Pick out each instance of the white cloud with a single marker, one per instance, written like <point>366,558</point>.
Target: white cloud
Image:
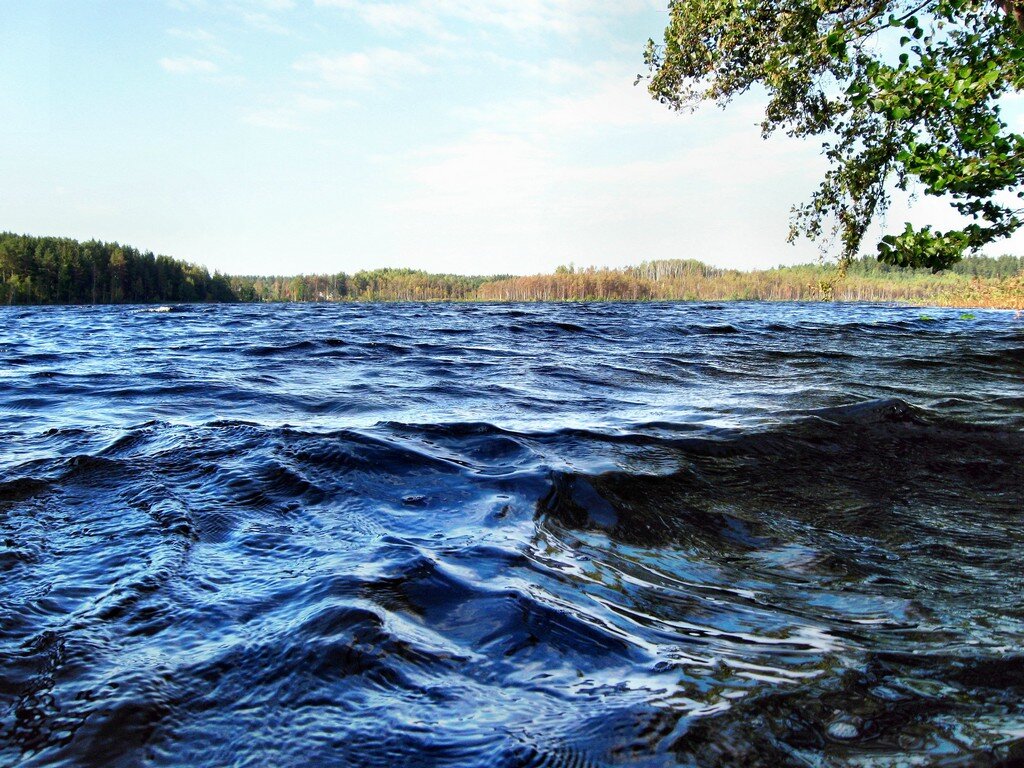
<point>196,35</point>
<point>392,16</point>
<point>236,5</point>
<point>490,171</point>
<point>615,103</point>
<point>186,65</point>
<point>560,16</point>
<point>515,156</point>
<point>265,22</point>
<point>291,116</point>
<point>523,208</point>
<point>566,17</point>
<point>204,40</point>
<point>485,172</point>
<point>360,70</point>
<point>188,5</point>
<point>555,71</point>
<point>259,14</point>
<point>571,177</point>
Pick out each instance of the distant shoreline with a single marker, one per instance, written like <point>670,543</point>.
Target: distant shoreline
<point>62,271</point>
<point>174,306</point>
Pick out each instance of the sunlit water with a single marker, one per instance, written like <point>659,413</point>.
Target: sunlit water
<point>511,535</point>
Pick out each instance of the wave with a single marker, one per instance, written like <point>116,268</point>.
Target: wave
<point>597,545</point>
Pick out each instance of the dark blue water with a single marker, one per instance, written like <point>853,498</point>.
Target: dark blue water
<point>511,536</point>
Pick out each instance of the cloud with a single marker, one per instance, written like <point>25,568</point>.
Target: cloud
<point>196,35</point>
<point>526,206</point>
<point>360,70</point>
<point>204,41</point>
<point>487,171</point>
<point>391,16</point>
<point>259,14</point>
<point>292,116</point>
<point>188,5</point>
<point>265,22</point>
<point>565,17</point>
<point>516,151</point>
<point>236,5</point>
<point>557,72</point>
<point>607,105</point>
<point>601,173</point>
<point>186,65</point>
<point>560,16</point>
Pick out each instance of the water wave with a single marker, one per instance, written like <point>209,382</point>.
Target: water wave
<point>241,551</point>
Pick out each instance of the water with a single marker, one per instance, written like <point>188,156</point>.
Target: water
<point>511,535</point>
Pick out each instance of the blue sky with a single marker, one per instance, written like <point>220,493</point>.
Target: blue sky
<point>472,136</point>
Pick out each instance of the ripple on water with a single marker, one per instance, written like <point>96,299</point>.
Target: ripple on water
<point>630,538</point>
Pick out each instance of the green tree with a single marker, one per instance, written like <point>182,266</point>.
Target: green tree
<point>118,273</point>
<point>901,92</point>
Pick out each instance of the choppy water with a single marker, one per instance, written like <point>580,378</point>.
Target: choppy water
<point>511,536</point>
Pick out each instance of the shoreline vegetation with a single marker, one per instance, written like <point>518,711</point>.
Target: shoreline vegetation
<point>52,270</point>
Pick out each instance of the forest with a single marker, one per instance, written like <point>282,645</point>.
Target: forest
<point>59,270</point>
<point>50,270</point>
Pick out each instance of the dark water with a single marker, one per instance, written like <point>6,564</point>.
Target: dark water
<point>511,536</point>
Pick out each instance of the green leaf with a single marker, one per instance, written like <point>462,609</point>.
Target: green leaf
<point>926,114</point>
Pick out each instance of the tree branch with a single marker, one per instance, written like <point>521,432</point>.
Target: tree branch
<point>1014,9</point>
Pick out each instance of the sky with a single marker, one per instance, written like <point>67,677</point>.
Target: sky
<point>467,136</point>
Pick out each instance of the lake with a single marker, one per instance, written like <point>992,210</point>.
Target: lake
<point>511,535</point>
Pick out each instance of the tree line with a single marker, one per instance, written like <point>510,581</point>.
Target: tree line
<point>367,285</point>
<point>59,270</point>
<point>46,270</point>
<point>977,281</point>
